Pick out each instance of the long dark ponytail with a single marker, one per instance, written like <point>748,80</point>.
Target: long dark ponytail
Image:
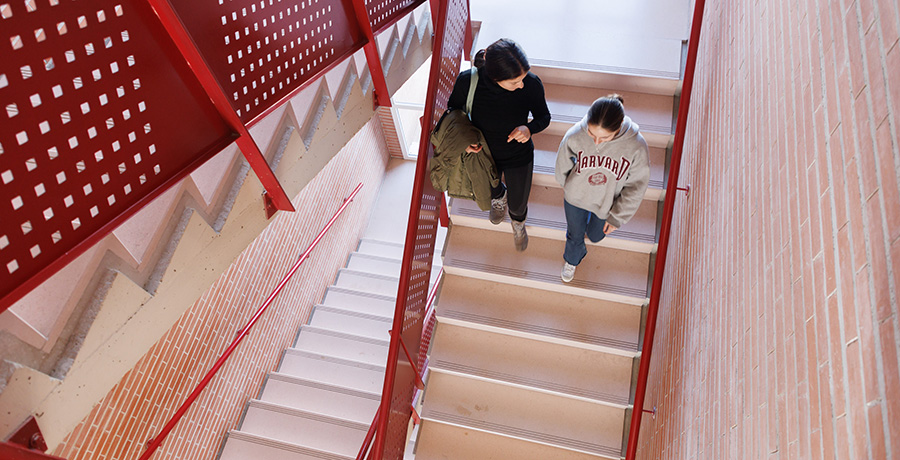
<point>502,60</point>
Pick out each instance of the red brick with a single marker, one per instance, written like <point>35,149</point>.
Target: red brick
<point>828,419</point>
<point>828,250</point>
<point>880,276</point>
<point>891,381</point>
<point>890,188</point>
<point>877,84</point>
<point>836,358</point>
<point>877,432</point>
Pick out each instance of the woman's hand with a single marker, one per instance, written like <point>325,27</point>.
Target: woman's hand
<point>521,134</point>
<point>473,148</point>
<point>607,229</point>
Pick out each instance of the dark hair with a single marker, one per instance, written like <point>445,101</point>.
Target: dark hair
<point>607,112</point>
<point>502,60</point>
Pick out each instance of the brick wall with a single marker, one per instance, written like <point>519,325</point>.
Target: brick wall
<point>779,328</point>
<point>137,408</point>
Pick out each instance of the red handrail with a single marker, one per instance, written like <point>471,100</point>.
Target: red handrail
<point>155,442</point>
<point>668,209</point>
<point>370,435</point>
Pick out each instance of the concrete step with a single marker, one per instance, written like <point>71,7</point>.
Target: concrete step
<point>320,398</point>
<point>547,219</point>
<point>546,146</point>
<point>378,265</point>
<point>359,301</point>
<point>652,112</point>
<point>441,439</point>
<point>314,431</point>
<point>575,372</point>
<point>605,273</point>
<point>537,417</point>
<point>536,314</point>
<point>367,282</point>
<point>330,370</point>
<point>341,345</point>
<point>380,248</point>
<point>351,322</point>
<point>246,446</point>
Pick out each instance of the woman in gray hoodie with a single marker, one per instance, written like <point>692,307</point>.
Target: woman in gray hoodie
<point>603,166</point>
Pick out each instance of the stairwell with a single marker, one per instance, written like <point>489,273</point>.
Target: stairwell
<point>320,401</point>
<point>523,365</point>
<point>120,296</point>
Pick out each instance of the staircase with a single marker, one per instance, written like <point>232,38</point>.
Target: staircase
<point>111,293</point>
<point>322,398</point>
<point>523,365</point>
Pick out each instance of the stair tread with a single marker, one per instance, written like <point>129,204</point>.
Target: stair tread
<point>573,371</point>
<point>564,317</point>
<point>241,446</point>
<point>525,414</point>
<point>491,255</point>
<point>342,345</point>
<point>360,301</point>
<point>441,440</point>
<point>351,322</point>
<point>322,398</point>
<point>546,216</point>
<point>316,431</point>
<point>355,375</point>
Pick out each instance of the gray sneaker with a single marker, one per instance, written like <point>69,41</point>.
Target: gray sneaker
<point>520,235</point>
<point>568,272</point>
<point>498,209</point>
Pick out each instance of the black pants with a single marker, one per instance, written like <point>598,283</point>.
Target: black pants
<point>518,187</point>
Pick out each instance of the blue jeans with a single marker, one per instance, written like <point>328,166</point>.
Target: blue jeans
<point>579,223</point>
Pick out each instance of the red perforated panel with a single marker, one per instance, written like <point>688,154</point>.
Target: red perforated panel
<point>382,13</point>
<point>263,50</point>
<point>445,67</point>
<point>101,114</point>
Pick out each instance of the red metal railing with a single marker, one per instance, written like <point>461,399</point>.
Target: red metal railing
<point>450,21</point>
<point>9,451</point>
<point>665,230</point>
<point>109,105</point>
<point>156,441</point>
<point>421,369</point>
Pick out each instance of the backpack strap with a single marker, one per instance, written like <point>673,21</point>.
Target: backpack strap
<point>471,97</point>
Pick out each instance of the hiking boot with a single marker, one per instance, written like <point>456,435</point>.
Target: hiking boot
<point>568,272</point>
<point>498,209</point>
<point>520,235</point>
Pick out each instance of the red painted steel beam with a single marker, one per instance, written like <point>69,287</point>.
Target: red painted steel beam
<point>157,441</point>
<point>9,451</point>
<point>470,39</point>
<point>204,74</point>
<point>668,209</point>
<point>373,59</point>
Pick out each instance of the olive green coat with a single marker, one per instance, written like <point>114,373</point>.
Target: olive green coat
<point>462,174</point>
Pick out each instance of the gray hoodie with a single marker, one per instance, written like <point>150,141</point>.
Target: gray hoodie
<point>608,179</point>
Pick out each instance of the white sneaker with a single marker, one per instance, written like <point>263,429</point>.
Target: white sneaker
<point>568,272</point>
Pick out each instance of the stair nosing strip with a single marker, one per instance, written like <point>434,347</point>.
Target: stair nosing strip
<point>540,330</point>
<point>524,434</point>
<point>343,335</point>
<point>354,313</point>
<point>307,415</point>
<point>333,359</point>
<point>288,378</point>
<point>543,277</point>
<point>597,396</point>
<point>363,274</point>
<point>373,256</point>
<point>288,446</point>
<point>357,292</point>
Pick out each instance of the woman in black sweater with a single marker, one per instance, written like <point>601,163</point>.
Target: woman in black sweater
<point>505,95</point>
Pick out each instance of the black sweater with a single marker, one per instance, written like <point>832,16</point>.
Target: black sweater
<point>496,112</point>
